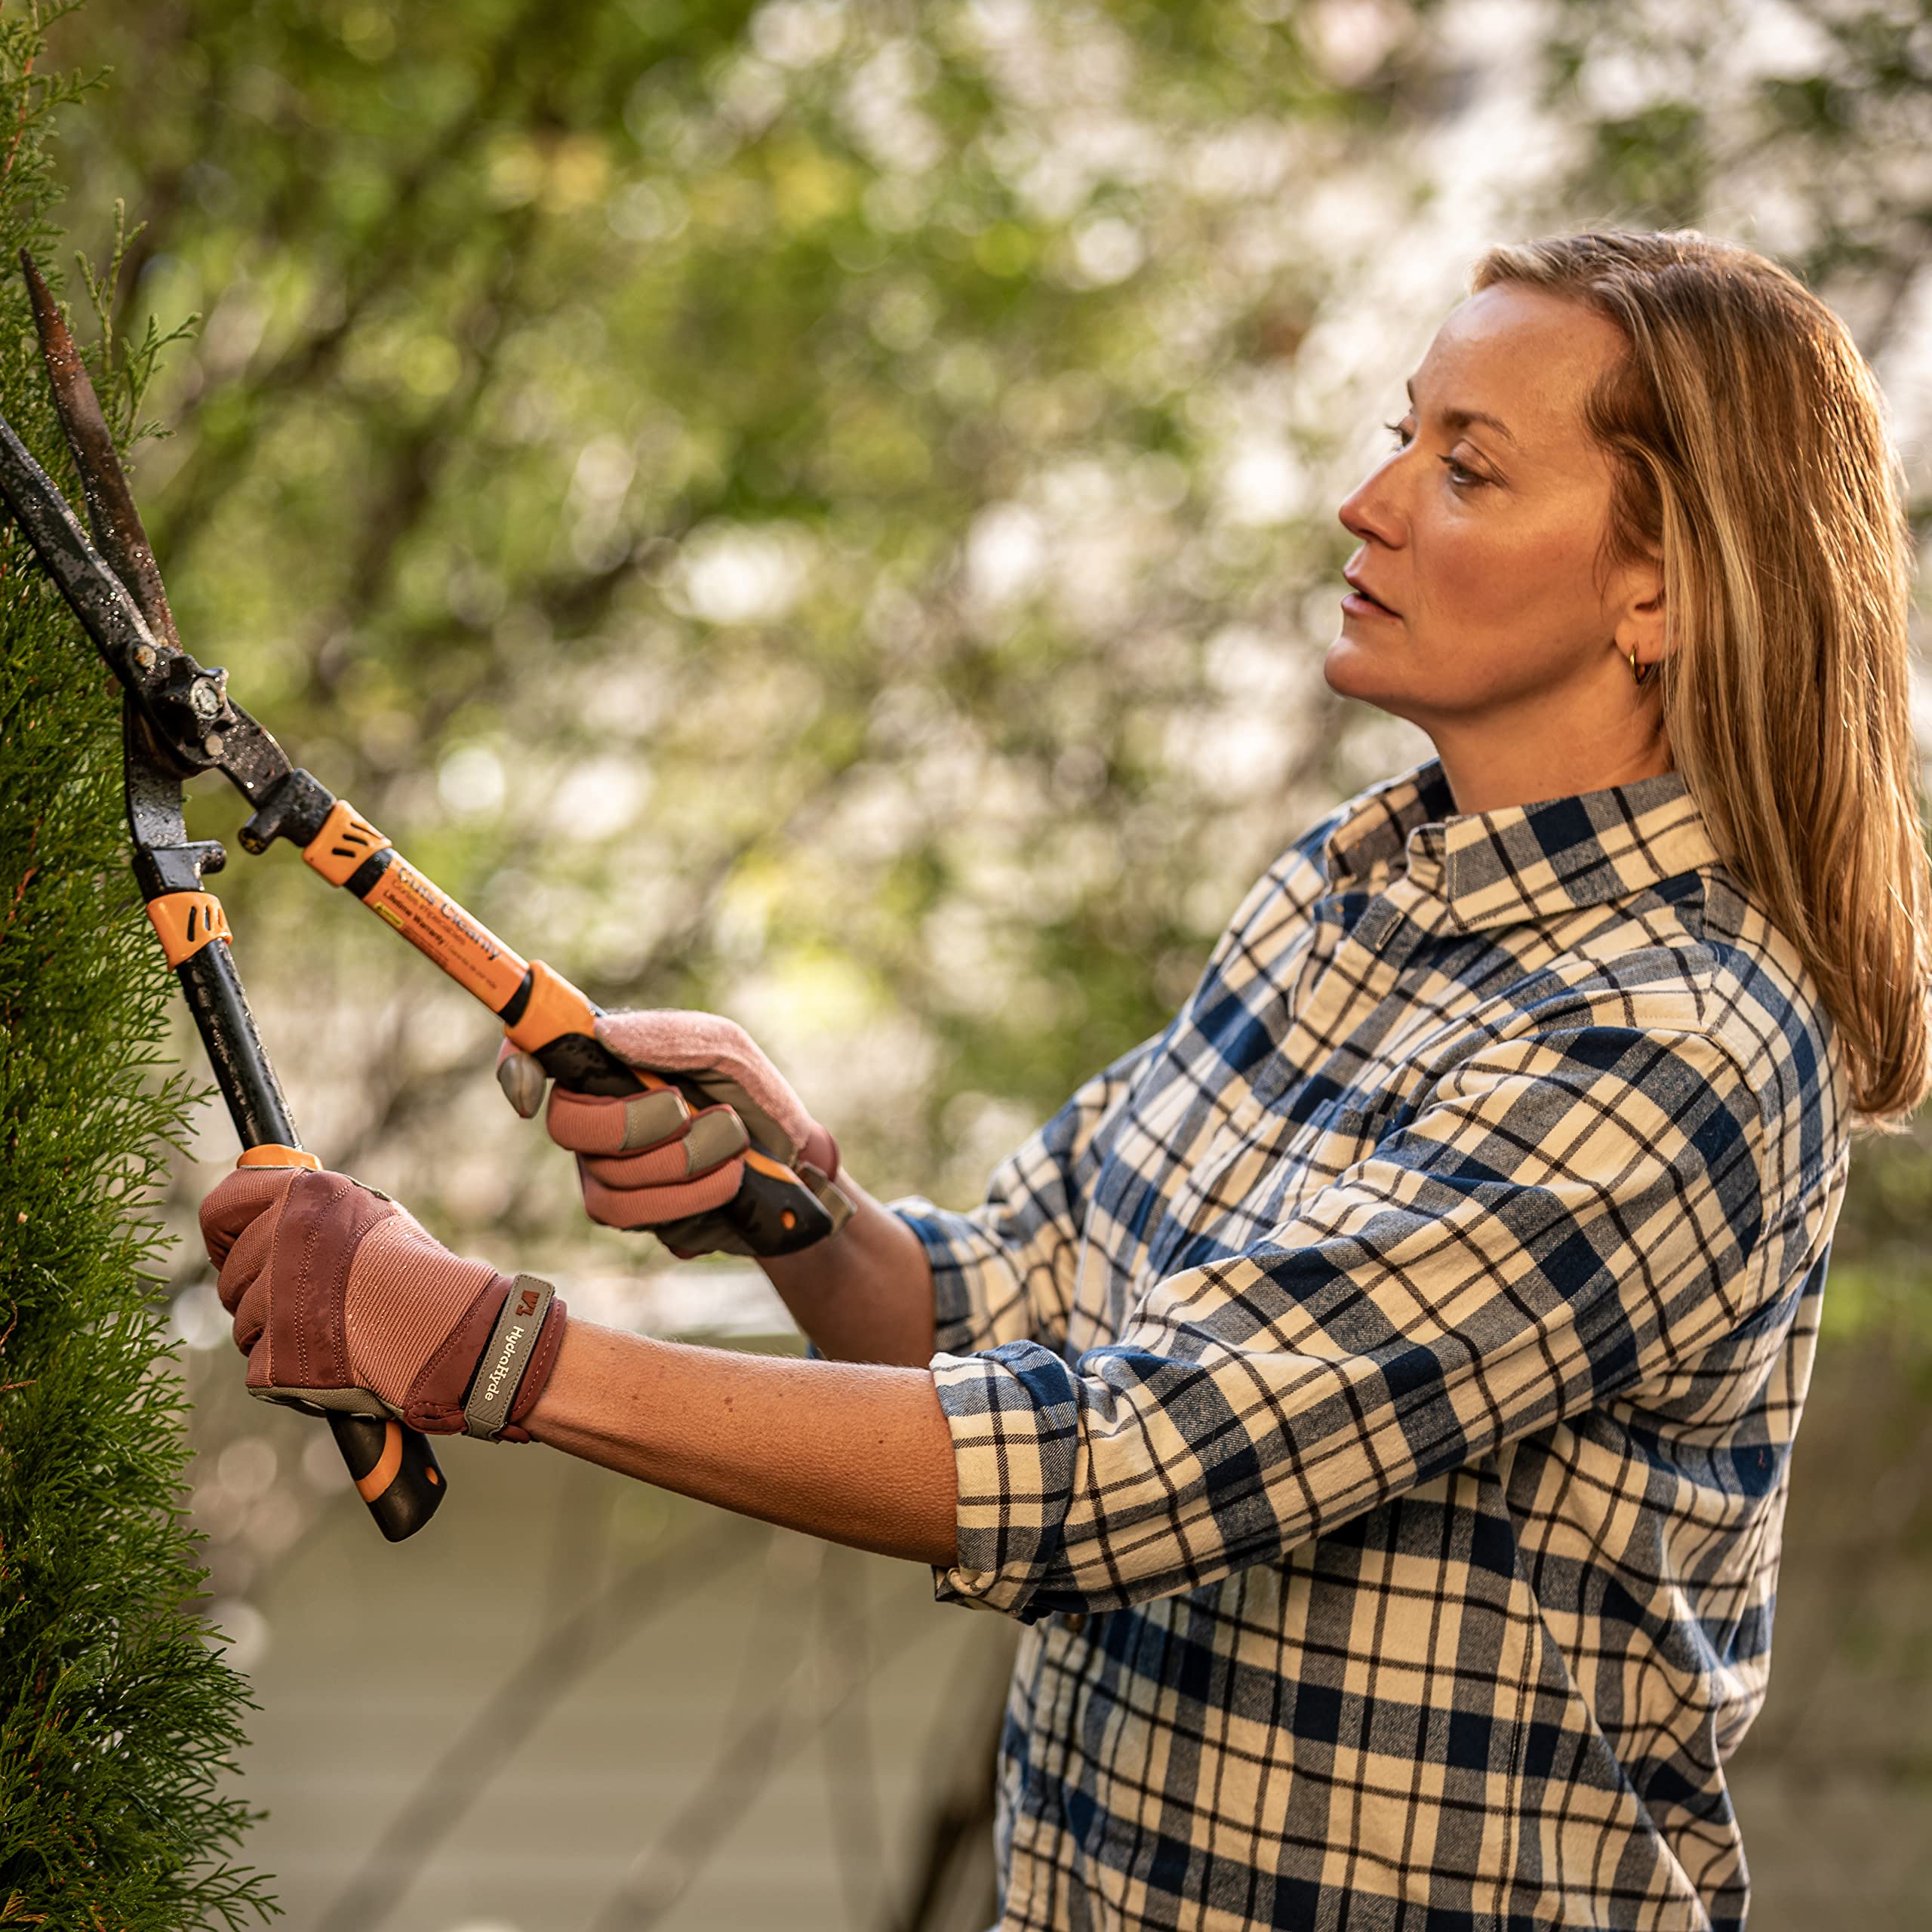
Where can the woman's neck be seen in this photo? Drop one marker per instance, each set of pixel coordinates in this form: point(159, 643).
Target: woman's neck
point(1490, 767)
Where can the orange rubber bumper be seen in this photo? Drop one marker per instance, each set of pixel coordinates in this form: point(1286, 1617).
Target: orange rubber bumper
point(186, 921)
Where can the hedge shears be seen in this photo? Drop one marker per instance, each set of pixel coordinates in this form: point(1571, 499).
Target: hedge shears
point(178, 721)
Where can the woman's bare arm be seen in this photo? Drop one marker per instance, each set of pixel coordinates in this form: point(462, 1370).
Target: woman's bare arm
point(858, 1453)
point(867, 1294)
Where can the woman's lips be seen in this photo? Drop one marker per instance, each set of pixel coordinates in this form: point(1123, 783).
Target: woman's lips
point(1361, 602)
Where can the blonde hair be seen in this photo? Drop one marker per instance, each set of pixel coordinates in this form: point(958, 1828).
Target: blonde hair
point(1752, 457)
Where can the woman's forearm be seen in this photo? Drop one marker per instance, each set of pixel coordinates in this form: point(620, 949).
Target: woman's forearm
point(858, 1453)
point(867, 1294)
point(855, 1448)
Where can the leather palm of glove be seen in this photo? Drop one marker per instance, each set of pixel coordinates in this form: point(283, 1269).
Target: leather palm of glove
point(650, 1162)
point(342, 1300)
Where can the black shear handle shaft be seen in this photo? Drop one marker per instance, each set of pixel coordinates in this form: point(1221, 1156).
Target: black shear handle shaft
point(393, 1467)
point(213, 992)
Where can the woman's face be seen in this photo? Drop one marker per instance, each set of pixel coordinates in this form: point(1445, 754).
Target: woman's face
point(1481, 595)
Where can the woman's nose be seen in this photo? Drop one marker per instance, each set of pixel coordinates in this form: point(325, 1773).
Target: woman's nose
point(1371, 509)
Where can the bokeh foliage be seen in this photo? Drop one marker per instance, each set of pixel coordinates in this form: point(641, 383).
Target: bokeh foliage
point(825, 509)
point(766, 506)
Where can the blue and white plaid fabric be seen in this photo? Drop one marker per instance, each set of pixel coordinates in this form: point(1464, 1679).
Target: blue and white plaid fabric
point(1376, 1391)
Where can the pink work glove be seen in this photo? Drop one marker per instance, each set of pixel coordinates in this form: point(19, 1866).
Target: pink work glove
point(650, 1160)
point(342, 1300)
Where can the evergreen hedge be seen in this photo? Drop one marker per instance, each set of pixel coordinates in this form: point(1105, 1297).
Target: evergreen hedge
point(117, 1723)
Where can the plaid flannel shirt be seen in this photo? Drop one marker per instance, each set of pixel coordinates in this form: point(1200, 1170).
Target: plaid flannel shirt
point(1376, 1391)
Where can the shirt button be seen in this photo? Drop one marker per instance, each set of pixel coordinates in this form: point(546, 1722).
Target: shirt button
point(1376, 927)
point(1074, 1622)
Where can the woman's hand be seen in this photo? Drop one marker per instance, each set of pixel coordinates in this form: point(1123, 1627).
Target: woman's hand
point(342, 1300)
point(651, 1161)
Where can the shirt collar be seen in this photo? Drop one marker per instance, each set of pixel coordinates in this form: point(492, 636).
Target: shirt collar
point(1521, 862)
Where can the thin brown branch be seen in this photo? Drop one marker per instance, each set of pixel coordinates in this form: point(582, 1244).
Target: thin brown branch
point(26, 879)
point(20, 126)
point(19, 890)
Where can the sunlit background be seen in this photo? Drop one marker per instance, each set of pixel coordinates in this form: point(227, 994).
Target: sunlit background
point(825, 512)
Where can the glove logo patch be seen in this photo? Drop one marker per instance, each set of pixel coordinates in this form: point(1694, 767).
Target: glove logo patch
point(519, 1328)
point(503, 1367)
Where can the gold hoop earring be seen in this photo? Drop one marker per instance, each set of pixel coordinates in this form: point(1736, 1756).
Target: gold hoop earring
point(1639, 674)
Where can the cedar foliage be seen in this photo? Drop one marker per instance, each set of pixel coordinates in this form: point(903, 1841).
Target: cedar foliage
point(117, 1724)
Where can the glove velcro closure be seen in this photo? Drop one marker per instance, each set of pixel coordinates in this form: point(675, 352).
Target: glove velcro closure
point(507, 1361)
point(487, 1374)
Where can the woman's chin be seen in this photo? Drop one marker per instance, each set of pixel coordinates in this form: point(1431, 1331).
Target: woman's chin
point(1355, 668)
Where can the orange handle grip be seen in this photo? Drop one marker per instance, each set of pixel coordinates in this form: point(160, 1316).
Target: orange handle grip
point(538, 1006)
point(437, 926)
point(350, 851)
point(544, 1015)
point(554, 1009)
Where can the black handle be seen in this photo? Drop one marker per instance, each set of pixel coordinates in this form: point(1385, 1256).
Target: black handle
point(255, 1102)
point(396, 1471)
point(394, 1468)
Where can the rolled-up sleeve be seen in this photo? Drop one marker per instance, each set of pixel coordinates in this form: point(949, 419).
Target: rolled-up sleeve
point(1567, 1213)
point(1004, 1271)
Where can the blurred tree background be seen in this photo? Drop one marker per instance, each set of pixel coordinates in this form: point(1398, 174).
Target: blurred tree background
point(824, 510)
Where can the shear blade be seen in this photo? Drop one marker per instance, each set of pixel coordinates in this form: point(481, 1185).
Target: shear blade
point(98, 596)
point(118, 533)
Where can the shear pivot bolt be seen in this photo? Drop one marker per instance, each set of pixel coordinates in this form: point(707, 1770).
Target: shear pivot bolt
point(211, 744)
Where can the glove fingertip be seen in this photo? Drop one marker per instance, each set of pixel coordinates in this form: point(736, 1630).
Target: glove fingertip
point(523, 1082)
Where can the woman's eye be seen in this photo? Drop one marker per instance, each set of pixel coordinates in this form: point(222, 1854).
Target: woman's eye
point(1461, 474)
point(1401, 433)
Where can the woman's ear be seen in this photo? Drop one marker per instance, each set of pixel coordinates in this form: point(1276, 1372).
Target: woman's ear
point(1643, 623)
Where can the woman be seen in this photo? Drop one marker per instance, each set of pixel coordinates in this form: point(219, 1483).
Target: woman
point(1375, 1391)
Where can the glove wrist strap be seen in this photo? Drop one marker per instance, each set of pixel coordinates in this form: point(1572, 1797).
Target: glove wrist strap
point(506, 1361)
